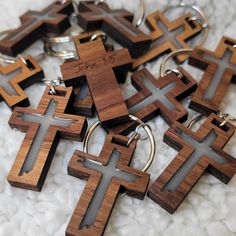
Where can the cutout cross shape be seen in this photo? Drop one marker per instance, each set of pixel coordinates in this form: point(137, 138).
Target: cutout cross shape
point(198, 152)
point(168, 36)
point(157, 97)
point(100, 67)
point(15, 78)
point(107, 176)
point(219, 71)
point(115, 23)
point(83, 104)
point(43, 128)
point(35, 25)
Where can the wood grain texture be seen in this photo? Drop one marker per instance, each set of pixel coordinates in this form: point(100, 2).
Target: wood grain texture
point(172, 88)
point(100, 68)
point(35, 178)
point(23, 77)
point(77, 168)
point(35, 25)
point(115, 23)
point(213, 66)
point(83, 104)
point(170, 200)
point(178, 33)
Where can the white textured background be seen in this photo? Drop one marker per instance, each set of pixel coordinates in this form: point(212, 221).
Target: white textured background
point(210, 209)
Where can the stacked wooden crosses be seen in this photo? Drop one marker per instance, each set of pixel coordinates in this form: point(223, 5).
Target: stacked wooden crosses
point(92, 83)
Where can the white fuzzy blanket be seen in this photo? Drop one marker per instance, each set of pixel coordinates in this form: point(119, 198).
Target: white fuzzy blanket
point(210, 209)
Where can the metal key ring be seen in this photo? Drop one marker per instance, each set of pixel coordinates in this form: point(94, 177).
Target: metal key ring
point(142, 10)
point(202, 20)
point(163, 71)
point(64, 39)
point(60, 54)
point(227, 118)
point(132, 138)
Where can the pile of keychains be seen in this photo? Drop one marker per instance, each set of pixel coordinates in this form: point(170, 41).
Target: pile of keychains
point(90, 85)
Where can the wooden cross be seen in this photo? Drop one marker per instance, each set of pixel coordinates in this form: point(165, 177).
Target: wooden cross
point(35, 25)
point(115, 23)
point(168, 36)
point(199, 152)
point(219, 71)
point(43, 127)
point(107, 176)
point(99, 68)
point(15, 78)
point(157, 97)
point(83, 104)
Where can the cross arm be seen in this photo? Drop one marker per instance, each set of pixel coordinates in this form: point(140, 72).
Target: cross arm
point(16, 42)
point(89, 21)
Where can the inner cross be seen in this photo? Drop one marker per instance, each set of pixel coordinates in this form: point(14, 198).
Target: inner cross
point(36, 19)
point(112, 16)
point(5, 82)
point(168, 35)
point(109, 172)
point(46, 121)
point(201, 149)
point(222, 64)
point(157, 94)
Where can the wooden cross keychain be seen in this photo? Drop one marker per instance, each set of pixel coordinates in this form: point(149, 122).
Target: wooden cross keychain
point(199, 152)
point(107, 176)
point(219, 71)
point(169, 36)
point(101, 69)
point(158, 97)
point(35, 25)
point(83, 103)
point(43, 127)
point(16, 77)
point(115, 23)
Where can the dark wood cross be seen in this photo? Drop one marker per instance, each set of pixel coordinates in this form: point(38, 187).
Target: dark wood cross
point(15, 78)
point(107, 176)
point(83, 104)
point(219, 71)
point(168, 36)
point(199, 152)
point(35, 25)
point(115, 23)
point(157, 97)
point(99, 68)
point(43, 127)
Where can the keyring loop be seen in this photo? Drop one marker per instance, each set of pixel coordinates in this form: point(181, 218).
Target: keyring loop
point(60, 54)
point(163, 71)
point(142, 13)
point(202, 20)
point(58, 39)
point(195, 120)
point(227, 118)
point(146, 128)
point(51, 41)
point(98, 34)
